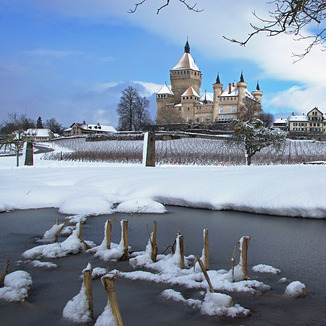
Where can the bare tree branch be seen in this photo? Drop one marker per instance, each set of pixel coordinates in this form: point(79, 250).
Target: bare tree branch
point(185, 2)
point(292, 17)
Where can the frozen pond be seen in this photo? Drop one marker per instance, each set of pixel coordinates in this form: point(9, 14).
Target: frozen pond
point(296, 246)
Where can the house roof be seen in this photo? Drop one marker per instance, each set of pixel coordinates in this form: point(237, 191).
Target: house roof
point(38, 132)
point(206, 97)
point(165, 90)
point(296, 118)
point(97, 127)
point(186, 62)
point(281, 120)
point(316, 109)
point(190, 92)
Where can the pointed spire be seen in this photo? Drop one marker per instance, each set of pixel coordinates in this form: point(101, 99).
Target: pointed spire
point(187, 47)
point(257, 87)
point(241, 77)
point(218, 79)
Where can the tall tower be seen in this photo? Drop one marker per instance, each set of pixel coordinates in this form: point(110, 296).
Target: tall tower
point(184, 74)
point(218, 88)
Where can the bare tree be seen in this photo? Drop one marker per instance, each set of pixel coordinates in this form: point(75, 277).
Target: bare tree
point(253, 136)
point(169, 115)
point(132, 110)
point(54, 126)
point(249, 109)
point(292, 17)
point(267, 119)
point(15, 131)
point(164, 4)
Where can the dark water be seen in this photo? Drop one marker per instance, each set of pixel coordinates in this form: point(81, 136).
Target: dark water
point(296, 246)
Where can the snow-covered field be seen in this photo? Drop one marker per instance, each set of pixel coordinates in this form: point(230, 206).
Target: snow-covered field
point(81, 188)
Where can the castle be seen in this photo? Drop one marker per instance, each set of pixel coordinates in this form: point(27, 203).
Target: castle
point(182, 102)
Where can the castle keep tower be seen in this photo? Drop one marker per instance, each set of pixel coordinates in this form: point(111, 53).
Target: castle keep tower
point(185, 74)
point(183, 102)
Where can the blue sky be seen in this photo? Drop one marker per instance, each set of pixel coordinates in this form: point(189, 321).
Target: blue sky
point(71, 59)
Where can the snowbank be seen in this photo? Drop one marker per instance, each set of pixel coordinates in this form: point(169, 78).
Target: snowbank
point(91, 188)
point(141, 205)
point(16, 286)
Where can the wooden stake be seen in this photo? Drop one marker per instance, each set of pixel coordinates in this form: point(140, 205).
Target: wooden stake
point(244, 254)
point(125, 239)
point(2, 277)
point(206, 249)
point(154, 244)
point(89, 288)
point(80, 231)
point(108, 233)
point(182, 253)
point(108, 283)
point(57, 234)
point(211, 289)
point(233, 259)
point(57, 221)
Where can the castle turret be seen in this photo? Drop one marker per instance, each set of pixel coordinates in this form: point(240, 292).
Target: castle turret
point(218, 88)
point(164, 97)
point(185, 74)
point(257, 93)
point(242, 86)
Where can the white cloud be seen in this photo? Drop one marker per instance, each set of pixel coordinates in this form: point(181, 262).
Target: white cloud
point(149, 88)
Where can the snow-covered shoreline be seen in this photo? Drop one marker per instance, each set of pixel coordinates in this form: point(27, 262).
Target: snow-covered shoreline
point(93, 188)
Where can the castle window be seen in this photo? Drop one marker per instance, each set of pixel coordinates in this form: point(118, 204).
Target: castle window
point(233, 108)
point(231, 116)
point(187, 118)
point(221, 109)
point(202, 119)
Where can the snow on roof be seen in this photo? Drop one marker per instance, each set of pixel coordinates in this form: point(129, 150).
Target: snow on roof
point(298, 118)
point(186, 62)
point(39, 132)
point(189, 92)
point(98, 127)
point(231, 90)
point(206, 96)
point(165, 90)
point(281, 120)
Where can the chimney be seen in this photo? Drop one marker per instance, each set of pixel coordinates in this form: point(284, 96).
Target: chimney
point(229, 88)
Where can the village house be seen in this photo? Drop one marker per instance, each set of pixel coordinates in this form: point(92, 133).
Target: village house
point(182, 101)
point(311, 123)
point(87, 129)
point(38, 134)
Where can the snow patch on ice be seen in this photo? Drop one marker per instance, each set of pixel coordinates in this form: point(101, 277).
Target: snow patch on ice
point(261, 268)
point(41, 264)
point(141, 205)
point(16, 286)
point(77, 309)
point(295, 289)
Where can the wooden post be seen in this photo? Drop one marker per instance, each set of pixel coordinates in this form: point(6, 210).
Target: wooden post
point(182, 253)
point(80, 230)
point(211, 289)
point(108, 230)
point(233, 259)
point(244, 254)
point(149, 149)
point(154, 244)
point(57, 234)
point(3, 275)
point(57, 221)
point(89, 288)
point(125, 239)
point(206, 249)
point(108, 283)
point(29, 154)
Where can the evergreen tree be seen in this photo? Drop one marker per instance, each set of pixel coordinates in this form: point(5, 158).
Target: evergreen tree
point(39, 124)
